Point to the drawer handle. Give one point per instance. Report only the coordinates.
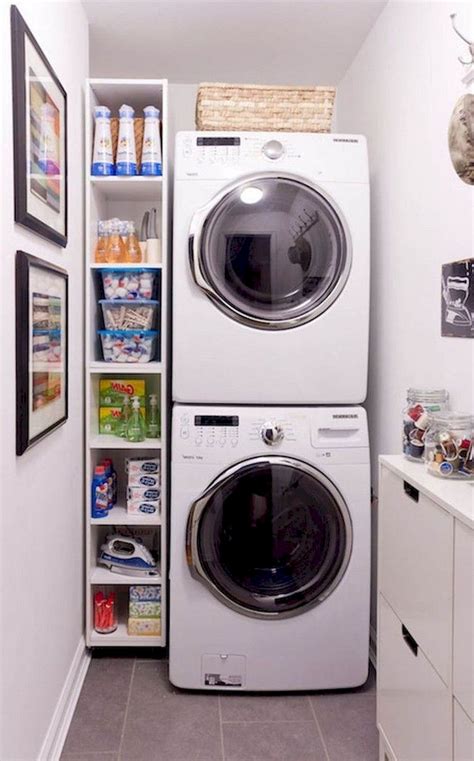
(409, 640)
(410, 490)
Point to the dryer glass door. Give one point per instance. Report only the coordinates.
(272, 252)
(271, 537)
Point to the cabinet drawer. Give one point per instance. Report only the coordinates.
(416, 566)
(464, 617)
(463, 735)
(413, 703)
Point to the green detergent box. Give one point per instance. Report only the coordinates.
(113, 390)
(111, 395)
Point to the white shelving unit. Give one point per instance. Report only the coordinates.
(126, 198)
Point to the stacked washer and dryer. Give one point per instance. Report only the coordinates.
(270, 482)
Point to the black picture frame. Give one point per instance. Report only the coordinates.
(56, 371)
(23, 181)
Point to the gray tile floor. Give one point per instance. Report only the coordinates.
(128, 711)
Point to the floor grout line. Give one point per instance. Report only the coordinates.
(221, 726)
(320, 731)
(122, 734)
(267, 721)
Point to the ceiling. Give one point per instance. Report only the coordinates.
(257, 41)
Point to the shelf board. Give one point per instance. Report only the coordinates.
(119, 516)
(102, 575)
(137, 368)
(126, 266)
(128, 188)
(120, 637)
(108, 441)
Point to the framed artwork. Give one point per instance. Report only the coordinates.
(457, 299)
(41, 349)
(39, 136)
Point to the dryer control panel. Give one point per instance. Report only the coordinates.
(209, 431)
(225, 155)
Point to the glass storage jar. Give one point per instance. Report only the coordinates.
(421, 404)
(105, 612)
(449, 450)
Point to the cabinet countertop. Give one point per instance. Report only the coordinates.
(457, 497)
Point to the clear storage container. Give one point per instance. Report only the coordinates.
(121, 314)
(128, 345)
(421, 404)
(105, 612)
(128, 284)
(449, 446)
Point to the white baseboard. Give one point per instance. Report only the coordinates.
(59, 726)
(373, 647)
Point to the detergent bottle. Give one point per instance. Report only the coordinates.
(151, 151)
(126, 163)
(112, 478)
(102, 160)
(100, 493)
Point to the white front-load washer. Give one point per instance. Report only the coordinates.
(270, 268)
(270, 548)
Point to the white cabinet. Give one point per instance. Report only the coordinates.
(425, 637)
(464, 618)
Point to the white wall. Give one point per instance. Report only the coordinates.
(399, 92)
(42, 492)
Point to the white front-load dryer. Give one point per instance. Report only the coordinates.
(270, 548)
(270, 268)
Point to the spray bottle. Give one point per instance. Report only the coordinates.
(136, 423)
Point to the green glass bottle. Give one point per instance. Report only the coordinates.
(136, 423)
(153, 427)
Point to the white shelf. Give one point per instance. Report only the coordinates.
(126, 198)
(120, 637)
(102, 575)
(108, 441)
(119, 516)
(128, 188)
(126, 266)
(137, 368)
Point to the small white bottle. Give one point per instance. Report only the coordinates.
(151, 150)
(102, 160)
(126, 163)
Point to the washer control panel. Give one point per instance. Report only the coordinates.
(204, 431)
(225, 150)
(210, 430)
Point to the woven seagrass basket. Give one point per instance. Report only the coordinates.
(138, 127)
(264, 108)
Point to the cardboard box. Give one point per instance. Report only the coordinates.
(113, 390)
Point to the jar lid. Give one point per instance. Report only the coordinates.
(427, 395)
(456, 420)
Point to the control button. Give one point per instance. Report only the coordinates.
(184, 433)
(184, 419)
(234, 442)
(210, 441)
(222, 442)
(272, 433)
(273, 149)
(198, 441)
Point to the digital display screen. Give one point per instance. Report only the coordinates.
(216, 420)
(218, 141)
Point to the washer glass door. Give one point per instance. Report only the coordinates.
(273, 252)
(271, 537)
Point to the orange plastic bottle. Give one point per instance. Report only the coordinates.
(101, 245)
(134, 253)
(116, 251)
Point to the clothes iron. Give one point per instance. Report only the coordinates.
(128, 555)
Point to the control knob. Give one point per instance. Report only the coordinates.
(273, 149)
(272, 433)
